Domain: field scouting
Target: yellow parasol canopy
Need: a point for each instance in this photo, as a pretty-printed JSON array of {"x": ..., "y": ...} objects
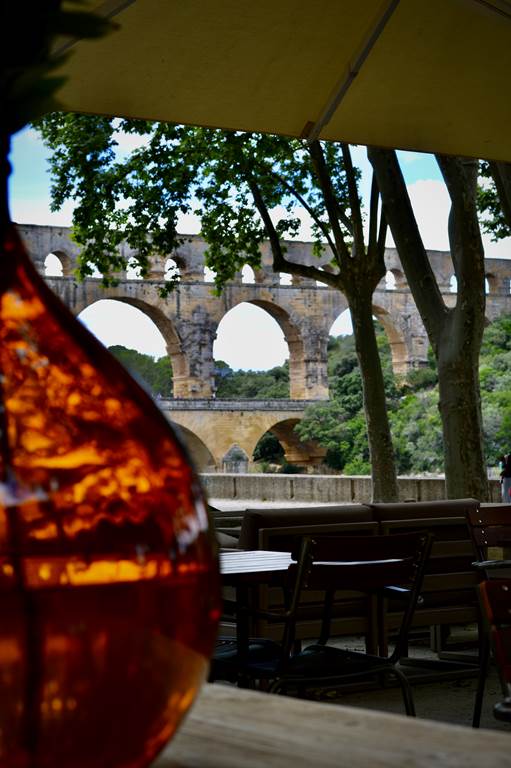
[{"x": 428, "y": 75}]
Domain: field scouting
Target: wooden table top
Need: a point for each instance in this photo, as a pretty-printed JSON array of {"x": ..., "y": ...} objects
[{"x": 229, "y": 727}]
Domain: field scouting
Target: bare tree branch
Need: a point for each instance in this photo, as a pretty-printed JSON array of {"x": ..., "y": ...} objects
[
  {"x": 280, "y": 263},
  {"x": 304, "y": 203},
  {"x": 501, "y": 173},
  {"x": 399, "y": 213},
  {"x": 373, "y": 214},
  {"x": 330, "y": 199},
  {"x": 356, "y": 215}
]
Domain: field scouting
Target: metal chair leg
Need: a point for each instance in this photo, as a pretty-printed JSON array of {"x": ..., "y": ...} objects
[
  {"x": 406, "y": 690},
  {"x": 481, "y": 680}
]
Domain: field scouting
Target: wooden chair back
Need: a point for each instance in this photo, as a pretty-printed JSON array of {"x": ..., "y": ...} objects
[
  {"x": 377, "y": 566},
  {"x": 448, "y": 594},
  {"x": 352, "y": 612},
  {"x": 490, "y": 526},
  {"x": 496, "y": 608}
]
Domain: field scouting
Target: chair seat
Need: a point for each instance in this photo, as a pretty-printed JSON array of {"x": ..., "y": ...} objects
[
  {"x": 325, "y": 661},
  {"x": 226, "y": 663},
  {"x": 310, "y": 666},
  {"x": 502, "y": 710}
]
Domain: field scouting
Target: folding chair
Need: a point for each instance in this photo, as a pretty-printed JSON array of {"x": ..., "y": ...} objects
[
  {"x": 270, "y": 617},
  {"x": 490, "y": 527},
  {"x": 375, "y": 565}
]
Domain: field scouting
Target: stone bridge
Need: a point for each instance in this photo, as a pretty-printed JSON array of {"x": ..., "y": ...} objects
[
  {"x": 189, "y": 318},
  {"x": 212, "y": 428}
]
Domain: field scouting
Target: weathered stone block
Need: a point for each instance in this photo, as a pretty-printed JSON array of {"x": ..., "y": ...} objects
[
  {"x": 218, "y": 486},
  {"x": 262, "y": 487},
  {"x": 408, "y": 489},
  {"x": 431, "y": 488},
  {"x": 361, "y": 490},
  {"x": 321, "y": 488}
]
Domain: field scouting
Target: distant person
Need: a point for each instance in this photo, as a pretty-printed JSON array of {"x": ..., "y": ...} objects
[{"x": 505, "y": 480}]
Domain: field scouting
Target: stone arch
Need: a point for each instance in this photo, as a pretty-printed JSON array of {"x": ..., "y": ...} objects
[
  {"x": 53, "y": 266},
  {"x": 65, "y": 259},
  {"x": 307, "y": 362},
  {"x": 180, "y": 366},
  {"x": 390, "y": 280},
  {"x": 397, "y": 341},
  {"x": 133, "y": 270},
  {"x": 303, "y": 454},
  {"x": 493, "y": 282},
  {"x": 398, "y": 277},
  {"x": 235, "y": 459},
  {"x": 172, "y": 268},
  {"x": 247, "y": 275},
  {"x": 201, "y": 455}
]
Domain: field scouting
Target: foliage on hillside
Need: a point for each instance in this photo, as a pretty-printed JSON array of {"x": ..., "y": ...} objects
[
  {"x": 495, "y": 378},
  {"x": 251, "y": 385},
  {"x": 339, "y": 424},
  {"x": 413, "y": 408},
  {"x": 154, "y": 375}
]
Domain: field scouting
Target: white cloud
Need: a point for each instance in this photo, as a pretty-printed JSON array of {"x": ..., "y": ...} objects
[
  {"x": 188, "y": 223},
  {"x": 37, "y": 211},
  {"x": 127, "y": 142},
  {"x": 407, "y": 157},
  {"x": 431, "y": 204},
  {"x": 499, "y": 250}
]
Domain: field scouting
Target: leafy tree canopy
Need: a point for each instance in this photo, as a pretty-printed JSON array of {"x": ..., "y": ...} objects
[
  {"x": 489, "y": 203},
  {"x": 178, "y": 169}
]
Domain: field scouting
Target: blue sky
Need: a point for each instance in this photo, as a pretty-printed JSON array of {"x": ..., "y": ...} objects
[{"x": 240, "y": 333}]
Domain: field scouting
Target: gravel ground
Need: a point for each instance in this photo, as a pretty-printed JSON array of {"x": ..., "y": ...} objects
[{"x": 448, "y": 702}]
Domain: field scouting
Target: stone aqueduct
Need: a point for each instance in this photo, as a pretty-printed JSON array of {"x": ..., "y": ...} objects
[{"x": 188, "y": 320}]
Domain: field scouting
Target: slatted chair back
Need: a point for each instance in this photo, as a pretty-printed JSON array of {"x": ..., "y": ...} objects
[
  {"x": 376, "y": 565},
  {"x": 496, "y": 608},
  {"x": 352, "y": 612},
  {"x": 490, "y": 526},
  {"x": 281, "y": 517},
  {"x": 448, "y": 595}
]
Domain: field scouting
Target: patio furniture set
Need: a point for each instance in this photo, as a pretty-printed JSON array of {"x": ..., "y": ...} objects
[{"x": 379, "y": 570}]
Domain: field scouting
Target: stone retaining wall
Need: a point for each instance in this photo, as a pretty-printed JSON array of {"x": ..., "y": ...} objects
[{"x": 320, "y": 488}]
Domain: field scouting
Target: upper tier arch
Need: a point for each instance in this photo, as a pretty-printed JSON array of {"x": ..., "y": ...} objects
[{"x": 189, "y": 317}]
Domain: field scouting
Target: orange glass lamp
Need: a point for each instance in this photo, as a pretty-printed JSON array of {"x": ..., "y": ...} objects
[{"x": 109, "y": 588}]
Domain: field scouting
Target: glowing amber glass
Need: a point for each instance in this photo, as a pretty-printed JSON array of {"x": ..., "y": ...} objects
[{"x": 109, "y": 591}]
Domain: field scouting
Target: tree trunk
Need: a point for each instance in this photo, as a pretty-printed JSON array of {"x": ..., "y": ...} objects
[
  {"x": 383, "y": 470},
  {"x": 455, "y": 333},
  {"x": 460, "y": 409}
]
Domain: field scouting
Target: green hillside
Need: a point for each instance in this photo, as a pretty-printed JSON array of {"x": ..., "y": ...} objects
[{"x": 339, "y": 425}]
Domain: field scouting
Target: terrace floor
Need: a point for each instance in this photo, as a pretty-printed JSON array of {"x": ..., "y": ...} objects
[{"x": 448, "y": 701}]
